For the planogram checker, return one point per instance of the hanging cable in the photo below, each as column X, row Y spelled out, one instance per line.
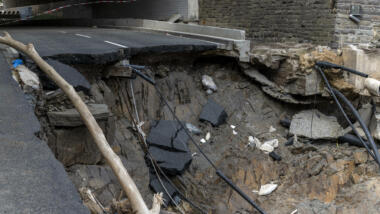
column 218, row 172
column 374, row 153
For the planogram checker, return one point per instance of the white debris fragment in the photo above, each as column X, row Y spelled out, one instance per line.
column 27, row 79
column 193, row 129
column 208, row 136
column 194, row 154
column 209, row 83
column 234, row 132
column 266, row 148
column 203, row 140
column 273, row 143
column 232, row 126
column 272, row 129
column 294, row 212
column 257, row 142
column 267, row 189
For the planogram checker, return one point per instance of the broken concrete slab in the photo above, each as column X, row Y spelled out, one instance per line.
column 71, row 117
column 157, row 187
column 315, row 125
column 173, row 163
column 214, row 113
column 168, row 135
column 71, row 75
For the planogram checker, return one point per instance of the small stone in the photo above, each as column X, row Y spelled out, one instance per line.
column 208, row 136
column 272, row 129
column 232, row 126
column 209, row 83
column 193, row 129
column 267, row 189
column 355, row 178
column 234, row 132
column 360, row 157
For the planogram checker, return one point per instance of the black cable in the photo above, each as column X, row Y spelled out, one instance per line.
column 323, row 64
column 375, row 155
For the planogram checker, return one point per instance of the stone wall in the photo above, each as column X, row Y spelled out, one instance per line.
column 347, row 31
column 273, row 20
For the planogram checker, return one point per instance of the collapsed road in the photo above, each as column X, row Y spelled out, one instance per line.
column 31, row 179
column 223, row 103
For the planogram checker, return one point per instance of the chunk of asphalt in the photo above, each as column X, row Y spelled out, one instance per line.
column 173, row 163
column 157, row 187
column 275, row 156
column 290, row 141
column 285, row 122
column 213, row 113
column 71, row 75
column 168, row 135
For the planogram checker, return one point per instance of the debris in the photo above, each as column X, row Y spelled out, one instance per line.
column 174, row 163
column 157, row 187
column 267, row 189
column 213, row 113
column 257, row 142
column 373, row 86
column 193, row 129
column 203, row 140
column 285, row 122
column 209, row 83
column 194, row 154
column 208, row 136
column 168, row 135
column 294, row 212
column 232, row 126
column 26, row 78
column 290, row 141
column 273, row 143
column 267, row 148
column 275, row 156
column 71, row 117
column 315, row 125
column 272, row 129
column 17, row 62
column 234, row 132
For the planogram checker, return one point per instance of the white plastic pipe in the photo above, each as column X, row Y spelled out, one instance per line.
column 373, row 86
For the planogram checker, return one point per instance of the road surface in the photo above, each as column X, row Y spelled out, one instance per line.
column 32, row 181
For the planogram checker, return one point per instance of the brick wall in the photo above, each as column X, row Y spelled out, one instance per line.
column 274, row 20
column 347, row 31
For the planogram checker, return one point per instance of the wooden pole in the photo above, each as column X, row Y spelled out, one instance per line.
column 112, row 159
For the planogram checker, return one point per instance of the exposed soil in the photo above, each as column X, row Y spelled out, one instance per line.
column 313, row 177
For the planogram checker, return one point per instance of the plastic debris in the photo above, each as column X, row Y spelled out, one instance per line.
column 17, row 62
column 203, row 140
column 209, row 83
column 193, row 129
column 273, row 143
column 272, row 129
column 208, row 136
column 267, row 189
column 266, row 148
column 257, row 142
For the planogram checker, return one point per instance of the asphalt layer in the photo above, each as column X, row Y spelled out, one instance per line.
column 31, row 179
column 100, row 45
